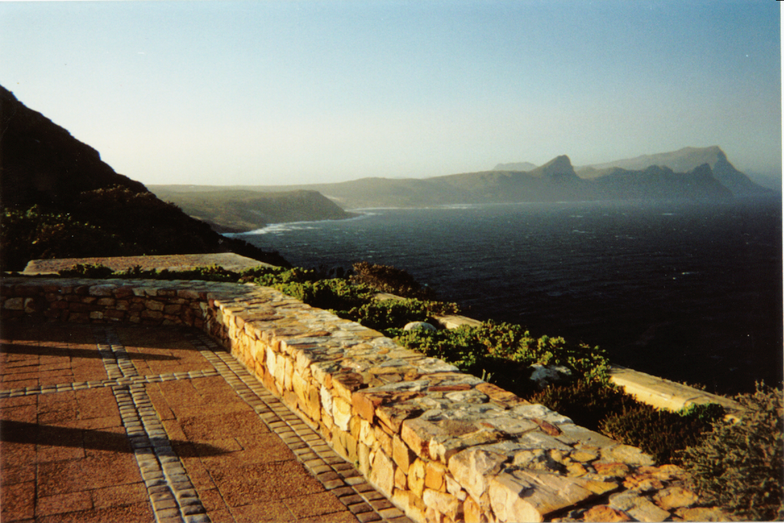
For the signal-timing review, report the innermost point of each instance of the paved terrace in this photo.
(117, 410)
(106, 423)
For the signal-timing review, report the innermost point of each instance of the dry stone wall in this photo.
(442, 445)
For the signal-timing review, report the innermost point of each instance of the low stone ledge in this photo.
(442, 445)
(665, 394)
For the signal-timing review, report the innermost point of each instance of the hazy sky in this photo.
(267, 92)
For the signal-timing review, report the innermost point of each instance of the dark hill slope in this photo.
(60, 200)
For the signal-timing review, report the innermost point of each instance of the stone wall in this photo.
(442, 445)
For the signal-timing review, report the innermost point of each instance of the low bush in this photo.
(605, 408)
(739, 466)
(207, 273)
(663, 434)
(586, 402)
(383, 315)
(386, 278)
(37, 234)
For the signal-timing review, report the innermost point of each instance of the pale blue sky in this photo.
(301, 92)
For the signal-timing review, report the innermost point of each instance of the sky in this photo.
(297, 92)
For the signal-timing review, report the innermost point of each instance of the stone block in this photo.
(366, 404)
(401, 481)
(442, 503)
(435, 473)
(102, 290)
(382, 473)
(473, 467)
(526, 496)
(472, 513)
(367, 434)
(416, 477)
(638, 507)
(151, 315)
(363, 453)
(14, 304)
(188, 294)
(401, 454)
(674, 498)
(30, 305)
(154, 305)
(384, 440)
(341, 413)
(605, 513)
(345, 383)
(411, 504)
(172, 309)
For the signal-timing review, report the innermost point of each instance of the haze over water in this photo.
(687, 291)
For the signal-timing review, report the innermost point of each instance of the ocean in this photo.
(690, 291)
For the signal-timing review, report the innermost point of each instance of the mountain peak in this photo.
(559, 168)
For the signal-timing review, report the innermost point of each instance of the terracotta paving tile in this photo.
(211, 500)
(314, 505)
(23, 413)
(21, 384)
(106, 440)
(19, 401)
(96, 403)
(134, 513)
(335, 517)
(216, 427)
(16, 454)
(272, 511)
(47, 453)
(119, 495)
(46, 506)
(17, 501)
(94, 423)
(221, 516)
(17, 474)
(89, 473)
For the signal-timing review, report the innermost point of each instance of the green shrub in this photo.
(387, 314)
(739, 466)
(271, 276)
(456, 346)
(87, 270)
(663, 434)
(35, 234)
(335, 294)
(386, 278)
(207, 273)
(586, 402)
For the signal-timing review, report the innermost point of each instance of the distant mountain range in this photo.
(689, 173)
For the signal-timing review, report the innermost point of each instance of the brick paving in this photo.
(127, 423)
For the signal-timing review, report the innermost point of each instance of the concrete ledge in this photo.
(666, 394)
(442, 445)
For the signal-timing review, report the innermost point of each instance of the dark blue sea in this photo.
(687, 291)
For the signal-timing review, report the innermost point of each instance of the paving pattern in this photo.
(124, 423)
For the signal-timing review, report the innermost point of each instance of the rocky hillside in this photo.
(683, 160)
(59, 199)
(231, 210)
